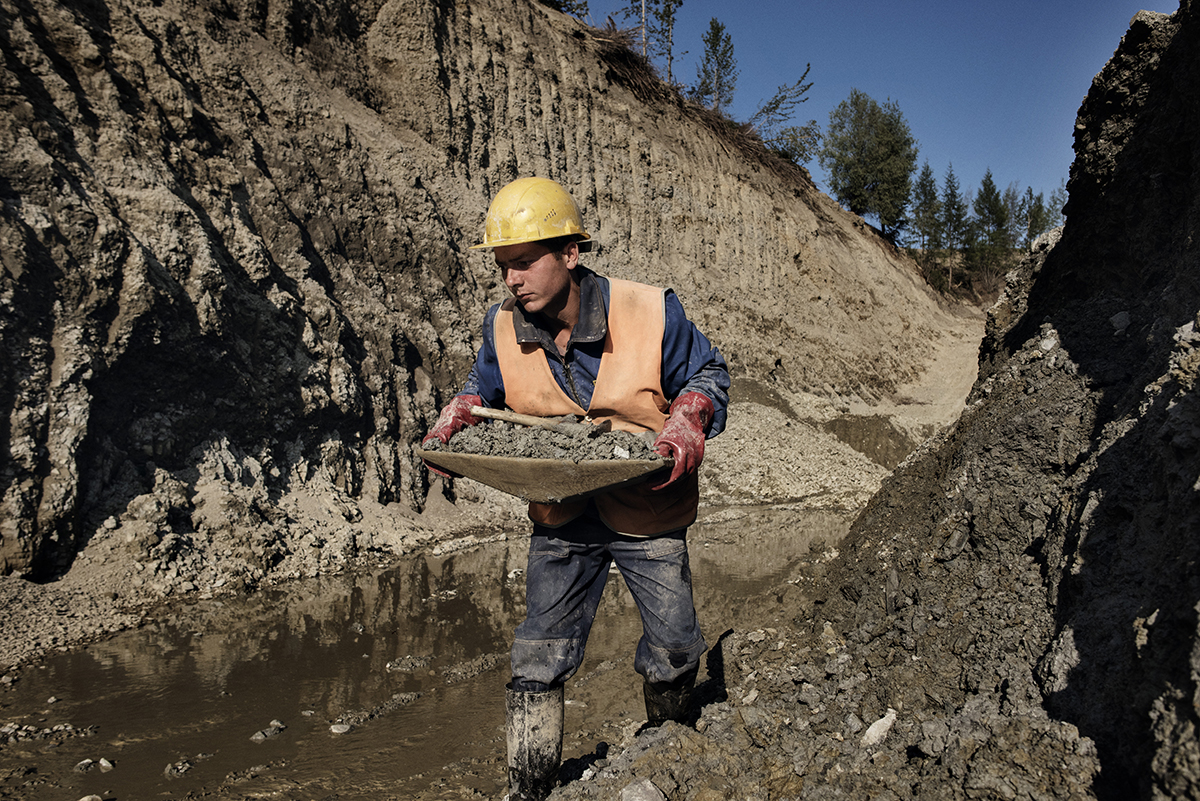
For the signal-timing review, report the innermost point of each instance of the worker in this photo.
(570, 341)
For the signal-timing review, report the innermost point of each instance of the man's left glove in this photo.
(682, 436)
(454, 418)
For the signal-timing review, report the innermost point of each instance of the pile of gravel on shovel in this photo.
(498, 438)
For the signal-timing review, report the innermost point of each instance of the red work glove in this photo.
(454, 418)
(682, 436)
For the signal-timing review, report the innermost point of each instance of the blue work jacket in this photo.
(690, 363)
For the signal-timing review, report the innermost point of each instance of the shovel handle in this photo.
(515, 417)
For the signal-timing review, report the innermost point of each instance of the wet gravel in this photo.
(579, 442)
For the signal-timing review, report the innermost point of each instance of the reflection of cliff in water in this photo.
(413, 658)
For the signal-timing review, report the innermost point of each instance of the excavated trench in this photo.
(356, 685)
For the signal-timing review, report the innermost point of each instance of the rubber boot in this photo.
(535, 727)
(669, 700)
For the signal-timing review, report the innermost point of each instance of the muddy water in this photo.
(410, 662)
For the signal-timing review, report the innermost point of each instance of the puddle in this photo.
(414, 659)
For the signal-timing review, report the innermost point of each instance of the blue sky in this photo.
(982, 84)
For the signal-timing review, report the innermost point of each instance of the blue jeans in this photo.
(568, 568)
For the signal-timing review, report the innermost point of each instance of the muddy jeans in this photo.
(568, 568)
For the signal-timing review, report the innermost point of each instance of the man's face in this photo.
(539, 278)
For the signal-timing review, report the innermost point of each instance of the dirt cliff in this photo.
(236, 286)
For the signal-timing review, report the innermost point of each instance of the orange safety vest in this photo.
(628, 392)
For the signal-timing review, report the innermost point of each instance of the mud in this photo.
(381, 685)
(874, 436)
(581, 442)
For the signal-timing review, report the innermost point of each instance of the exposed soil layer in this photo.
(236, 283)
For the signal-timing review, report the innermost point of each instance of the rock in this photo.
(642, 790)
(273, 730)
(879, 729)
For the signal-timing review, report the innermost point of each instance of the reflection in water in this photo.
(414, 657)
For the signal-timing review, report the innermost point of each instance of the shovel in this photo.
(568, 424)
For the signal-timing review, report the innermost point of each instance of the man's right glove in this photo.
(454, 418)
(682, 436)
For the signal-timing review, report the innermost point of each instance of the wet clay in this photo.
(498, 438)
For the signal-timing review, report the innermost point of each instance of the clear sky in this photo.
(982, 84)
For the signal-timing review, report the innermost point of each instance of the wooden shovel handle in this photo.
(515, 417)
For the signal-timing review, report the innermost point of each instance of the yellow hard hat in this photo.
(531, 209)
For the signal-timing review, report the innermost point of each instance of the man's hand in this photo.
(454, 418)
(682, 436)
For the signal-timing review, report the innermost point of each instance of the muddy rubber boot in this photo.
(535, 725)
(668, 700)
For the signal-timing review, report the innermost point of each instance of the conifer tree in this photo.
(655, 20)
(639, 11)
(954, 221)
(796, 142)
(991, 213)
(1014, 232)
(1035, 215)
(716, 75)
(927, 217)
(662, 28)
(991, 247)
(870, 155)
(1056, 205)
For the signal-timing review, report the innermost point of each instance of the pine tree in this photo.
(662, 29)
(870, 155)
(1057, 205)
(954, 221)
(991, 213)
(1035, 215)
(798, 143)
(927, 217)
(639, 11)
(655, 21)
(716, 76)
(1014, 232)
(991, 248)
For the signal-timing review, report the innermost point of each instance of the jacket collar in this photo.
(593, 318)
